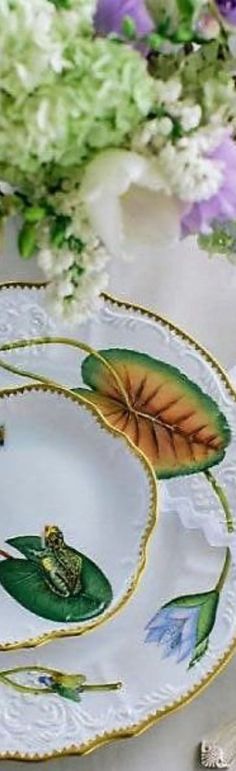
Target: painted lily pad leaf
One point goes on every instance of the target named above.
(24, 581)
(177, 426)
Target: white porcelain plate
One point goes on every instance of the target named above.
(78, 506)
(168, 396)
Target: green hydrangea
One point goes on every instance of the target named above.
(34, 40)
(63, 95)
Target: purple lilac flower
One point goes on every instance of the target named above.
(111, 13)
(221, 207)
(175, 627)
(227, 9)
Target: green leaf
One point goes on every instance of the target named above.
(24, 581)
(67, 693)
(58, 230)
(64, 4)
(190, 600)
(186, 8)
(205, 625)
(199, 651)
(183, 35)
(34, 213)
(27, 240)
(177, 426)
(129, 27)
(207, 616)
(29, 545)
(155, 40)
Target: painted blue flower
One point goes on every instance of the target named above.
(46, 680)
(183, 626)
(68, 686)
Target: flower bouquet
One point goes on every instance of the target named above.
(110, 107)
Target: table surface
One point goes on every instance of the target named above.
(199, 295)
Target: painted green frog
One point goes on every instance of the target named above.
(60, 564)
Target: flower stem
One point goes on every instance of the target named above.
(102, 687)
(23, 688)
(58, 341)
(42, 670)
(5, 677)
(224, 572)
(219, 492)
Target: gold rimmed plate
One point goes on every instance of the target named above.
(170, 399)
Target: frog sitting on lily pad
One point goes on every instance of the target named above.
(54, 580)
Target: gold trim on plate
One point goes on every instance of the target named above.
(143, 725)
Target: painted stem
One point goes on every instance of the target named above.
(42, 670)
(5, 555)
(58, 341)
(221, 495)
(224, 572)
(101, 687)
(5, 677)
(24, 688)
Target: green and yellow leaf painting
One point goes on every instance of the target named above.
(177, 426)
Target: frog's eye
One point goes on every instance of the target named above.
(54, 537)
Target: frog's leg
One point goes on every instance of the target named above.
(54, 577)
(70, 566)
(77, 585)
(57, 585)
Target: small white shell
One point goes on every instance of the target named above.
(212, 756)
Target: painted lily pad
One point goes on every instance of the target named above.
(23, 579)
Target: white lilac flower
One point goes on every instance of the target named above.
(193, 176)
(202, 216)
(83, 300)
(55, 262)
(189, 115)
